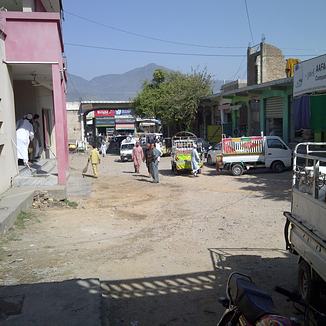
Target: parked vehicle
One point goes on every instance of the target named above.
(213, 152)
(204, 145)
(126, 148)
(305, 229)
(247, 305)
(182, 145)
(240, 154)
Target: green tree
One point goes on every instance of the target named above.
(173, 97)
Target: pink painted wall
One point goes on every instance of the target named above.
(60, 125)
(32, 36)
(36, 37)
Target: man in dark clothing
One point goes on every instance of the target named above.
(148, 153)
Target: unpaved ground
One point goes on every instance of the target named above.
(162, 251)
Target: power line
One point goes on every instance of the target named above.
(239, 68)
(178, 42)
(249, 23)
(231, 55)
(152, 37)
(154, 52)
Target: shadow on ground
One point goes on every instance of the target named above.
(184, 299)
(192, 299)
(274, 186)
(73, 302)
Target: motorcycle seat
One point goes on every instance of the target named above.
(253, 302)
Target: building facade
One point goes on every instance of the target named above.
(262, 104)
(33, 80)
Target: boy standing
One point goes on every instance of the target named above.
(95, 160)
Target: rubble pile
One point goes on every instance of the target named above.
(42, 199)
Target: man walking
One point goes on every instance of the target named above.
(148, 157)
(24, 135)
(137, 156)
(195, 159)
(95, 160)
(154, 163)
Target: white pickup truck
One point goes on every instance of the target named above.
(305, 229)
(240, 154)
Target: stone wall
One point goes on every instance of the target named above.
(273, 63)
(74, 128)
(265, 63)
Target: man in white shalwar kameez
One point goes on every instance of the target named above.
(24, 134)
(195, 160)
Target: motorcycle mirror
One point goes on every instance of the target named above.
(224, 302)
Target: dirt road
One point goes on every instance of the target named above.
(162, 251)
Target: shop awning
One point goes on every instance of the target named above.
(124, 126)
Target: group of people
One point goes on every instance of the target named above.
(28, 139)
(151, 156)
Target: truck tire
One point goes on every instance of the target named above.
(278, 167)
(237, 170)
(174, 169)
(306, 284)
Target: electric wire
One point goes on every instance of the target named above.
(152, 37)
(179, 42)
(230, 55)
(249, 23)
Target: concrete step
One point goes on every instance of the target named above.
(42, 167)
(12, 202)
(37, 180)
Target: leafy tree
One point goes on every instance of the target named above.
(173, 97)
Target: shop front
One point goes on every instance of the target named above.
(309, 91)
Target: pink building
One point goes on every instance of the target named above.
(32, 80)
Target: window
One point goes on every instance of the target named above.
(217, 147)
(275, 143)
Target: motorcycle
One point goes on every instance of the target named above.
(247, 305)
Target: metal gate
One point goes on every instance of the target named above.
(274, 107)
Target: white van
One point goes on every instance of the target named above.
(126, 148)
(240, 154)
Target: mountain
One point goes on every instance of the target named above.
(115, 87)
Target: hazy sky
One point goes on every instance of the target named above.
(292, 25)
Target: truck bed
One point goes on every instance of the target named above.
(307, 235)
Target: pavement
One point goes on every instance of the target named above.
(69, 303)
(12, 203)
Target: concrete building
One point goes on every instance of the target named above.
(265, 62)
(74, 122)
(99, 117)
(262, 104)
(33, 80)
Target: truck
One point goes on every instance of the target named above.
(182, 145)
(126, 148)
(305, 228)
(240, 154)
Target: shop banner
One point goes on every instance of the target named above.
(104, 122)
(123, 112)
(104, 113)
(310, 76)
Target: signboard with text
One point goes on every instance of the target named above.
(104, 113)
(310, 76)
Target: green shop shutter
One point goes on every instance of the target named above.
(318, 112)
(274, 107)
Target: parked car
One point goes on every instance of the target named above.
(213, 152)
